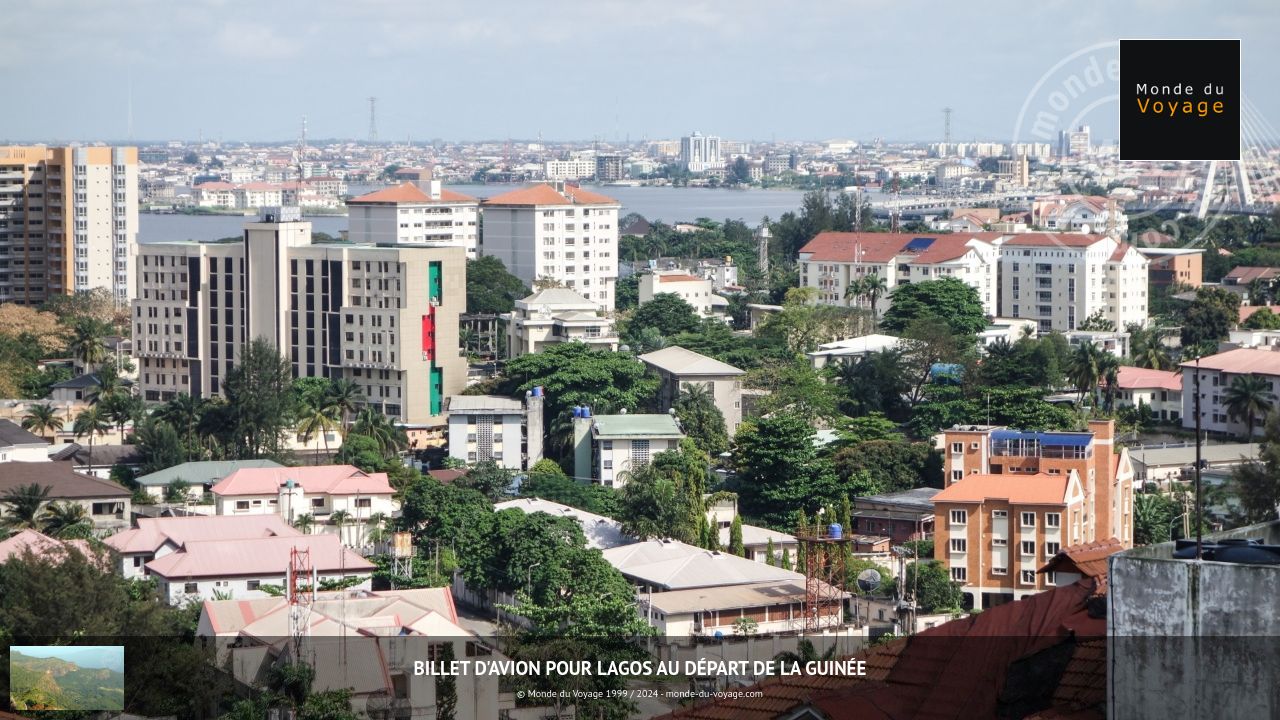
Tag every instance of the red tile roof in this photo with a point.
(882, 247)
(1037, 489)
(1244, 274)
(1121, 250)
(323, 479)
(1087, 559)
(1136, 378)
(1241, 361)
(409, 193)
(544, 194)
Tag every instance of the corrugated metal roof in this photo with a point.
(639, 425)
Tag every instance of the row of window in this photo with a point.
(1028, 547)
(1027, 577)
(1052, 520)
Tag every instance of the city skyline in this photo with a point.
(607, 70)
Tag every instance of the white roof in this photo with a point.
(601, 532)
(683, 602)
(676, 566)
(559, 297)
(483, 403)
(857, 346)
(680, 361)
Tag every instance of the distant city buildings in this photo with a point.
(700, 153)
(1075, 143)
(558, 233)
(68, 221)
(385, 318)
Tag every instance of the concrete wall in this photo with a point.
(1193, 639)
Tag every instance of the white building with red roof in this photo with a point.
(409, 215)
(556, 231)
(1061, 279)
(1217, 372)
(1160, 391)
(696, 291)
(320, 491)
(1078, 213)
(833, 261)
(157, 537)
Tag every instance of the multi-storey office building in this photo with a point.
(556, 232)
(68, 221)
(1062, 279)
(383, 317)
(408, 215)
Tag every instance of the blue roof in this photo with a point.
(1045, 438)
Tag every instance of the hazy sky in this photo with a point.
(569, 69)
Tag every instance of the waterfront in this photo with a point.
(669, 204)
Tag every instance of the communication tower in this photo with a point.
(823, 549)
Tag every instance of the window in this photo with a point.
(959, 574)
(606, 444)
(137, 561)
(957, 447)
(254, 584)
(242, 505)
(1028, 577)
(191, 588)
(999, 542)
(999, 571)
(999, 514)
(959, 545)
(1051, 549)
(959, 517)
(364, 502)
(1028, 519)
(1029, 547)
(957, 475)
(317, 502)
(1053, 520)
(608, 464)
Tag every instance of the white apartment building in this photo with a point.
(607, 447)
(578, 168)
(556, 315)
(832, 261)
(501, 429)
(696, 291)
(1079, 214)
(407, 215)
(556, 232)
(1061, 279)
(1216, 374)
(1160, 391)
(699, 153)
(68, 221)
(383, 317)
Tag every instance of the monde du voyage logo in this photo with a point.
(1180, 99)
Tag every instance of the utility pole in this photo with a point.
(1199, 499)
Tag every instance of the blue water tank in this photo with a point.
(835, 531)
(586, 411)
(537, 391)
(577, 411)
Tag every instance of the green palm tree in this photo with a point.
(340, 518)
(182, 412)
(855, 289)
(315, 420)
(42, 419)
(1111, 377)
(873, 286)
(91, 421)
(23, 507)
(87, 345)
(121, 408)
(1088, 364)
(1147, 347)
(66, 520)
(390, 438)
(1248, 396)
(804, 653)
(346, 398)
(304, 523)
(376, 525)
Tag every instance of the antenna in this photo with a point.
(373, 119)
(895, 218)
(130, 107)
(300, 597)
(946, 125)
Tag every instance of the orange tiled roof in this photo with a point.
(833, 246)
(1037, 489)
(678, 278)
(1088, 559)
(544, 194)
(409, 193)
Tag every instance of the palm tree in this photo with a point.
(873, 286)
(1248, 396)
(377, 528)
(804, 653)
(24, 504)
(108, 383)
(1148, 348)
(66, 520)
(370, 421)
(1087, 368)
(855, 289)
(91, 421)
(304, 523)
(345, 397)
(317, 420)
(86, 344)
(340, 518)
(42, 419)
(121, 408)
(1111, 376)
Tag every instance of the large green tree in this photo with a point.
(548, 481)
(666, 313)
(1257, 484)
(934, 591)
(780, 471)
(1209, 319)
(700, 419)
(664, 498)
(491, 289)
(952, 300)
(890, 465)
(259, 394)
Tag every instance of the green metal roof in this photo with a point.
(640, 426)
(200, 473)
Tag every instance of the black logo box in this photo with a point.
(1187, 69)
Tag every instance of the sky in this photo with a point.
(86, 656)
(232, 70)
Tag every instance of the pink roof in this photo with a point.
(409, 193)
(1242, 361)
(1037, 489)
(318, 479)
(152, 533)
(882, 247)
(216, 185)
(40, 545)
(1136, 378)
(544, 194)
(257, 556)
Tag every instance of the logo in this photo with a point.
(1180, 99)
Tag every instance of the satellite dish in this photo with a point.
(869, 579)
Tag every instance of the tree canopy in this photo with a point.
(491, 289)
(952, 300)
(780, 470)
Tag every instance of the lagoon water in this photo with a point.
(669, 204)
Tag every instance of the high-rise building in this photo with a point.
(700, 152)
(68, 221)
(385, 318)
(556, 232)
(608, 168)
(413, 215)
(1075, 143)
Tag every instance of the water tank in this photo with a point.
(537, 391)
(586, 411)
(835, 531)
(577, 411)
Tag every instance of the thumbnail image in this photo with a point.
(66, 677)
